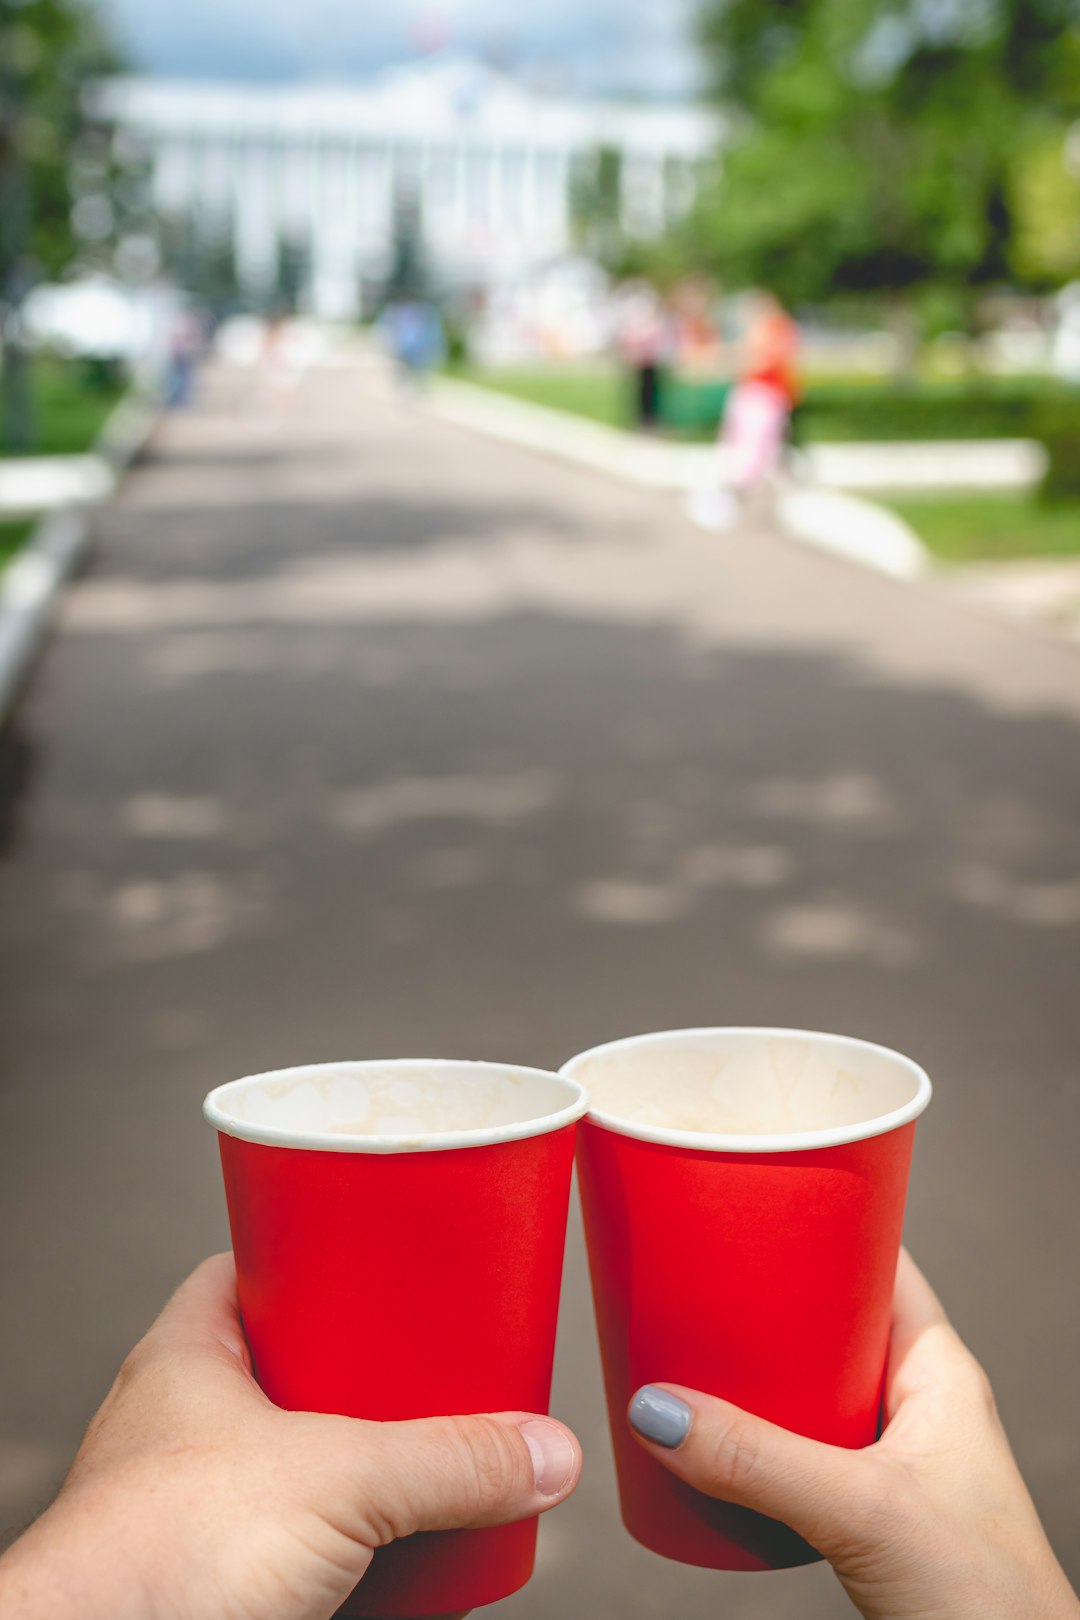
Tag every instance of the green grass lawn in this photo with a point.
(12, 536)
(992, 528)
(596, 391)
(69, 412)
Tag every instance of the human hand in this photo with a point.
(933, 1522)
(193, 1497)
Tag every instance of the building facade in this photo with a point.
(322, 172)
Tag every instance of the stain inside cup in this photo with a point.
(415, 1101)
(743, 1086)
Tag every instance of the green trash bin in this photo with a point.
(692, 405)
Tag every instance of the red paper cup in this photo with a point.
(398, 1230)
(743, 1193)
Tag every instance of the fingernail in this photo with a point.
(552, 1455)
(660, 1417)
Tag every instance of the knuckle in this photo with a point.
(133, 1368)
(138, 1371)
(495, 1466)
(981, 1388)
(733, 1454)
(973, 1383)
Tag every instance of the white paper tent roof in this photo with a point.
(94, 317)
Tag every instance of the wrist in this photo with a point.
(77, 1563)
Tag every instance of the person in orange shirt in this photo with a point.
(758, 409)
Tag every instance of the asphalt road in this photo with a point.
(365, 736)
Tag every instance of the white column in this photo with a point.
(336, 273)
(530, 218)
(461, 191)
(256, 230)
(296, 185)
(216, 184)
(495, 192)
(173, 175)
(561, 220)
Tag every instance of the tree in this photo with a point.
(596, 206)
(409, 275)
(876, 144)
(49, 50)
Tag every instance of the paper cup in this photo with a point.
(398, 1230)
(743, 1192)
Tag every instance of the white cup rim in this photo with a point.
(217, 1114)
(788, 1142)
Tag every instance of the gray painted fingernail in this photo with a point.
(660, 1417)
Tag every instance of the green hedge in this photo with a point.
(973, 411)
(1057, 425)
(835, 412)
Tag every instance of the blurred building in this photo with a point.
(317, 175)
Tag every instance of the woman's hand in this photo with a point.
(192, 1497)
(932, 1523)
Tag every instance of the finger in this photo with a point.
(204, 1313)
(924, 1349)
(915, 1305)
(458, 1472)
(732, 1455)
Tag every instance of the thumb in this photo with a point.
(458, 1473)
(821, 1491)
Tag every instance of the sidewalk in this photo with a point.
(1044, 592)
(367, 736)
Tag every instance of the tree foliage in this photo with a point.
(49, 50)
(882, 145)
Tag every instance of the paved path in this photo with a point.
(366, 736)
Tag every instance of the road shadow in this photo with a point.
(512, 838)
(254, 540)
(17, 763)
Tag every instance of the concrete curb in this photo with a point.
(28, 589)
(30, 584)
(931, 467)
(654, 463)
(841, 524)
(128, 430)
(854, 528)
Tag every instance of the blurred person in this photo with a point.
(185, 343)
(758, 411)
(756, 422)
(192, 1497)
(696, 337)
(413, 332)
(276, 362)
(642, 336)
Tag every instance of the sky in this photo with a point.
(640, 47)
